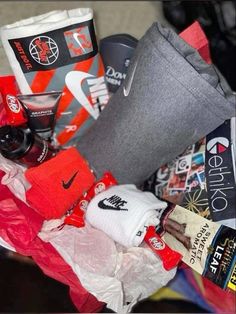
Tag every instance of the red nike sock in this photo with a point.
(58, 183)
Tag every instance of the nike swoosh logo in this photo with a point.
(129, 81)
(103, 205)
(77, 39)
(73, 82)
(67, 185)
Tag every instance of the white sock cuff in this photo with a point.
(123, 212)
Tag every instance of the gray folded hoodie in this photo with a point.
(170, 99)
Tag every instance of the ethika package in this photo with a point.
(58, 51)
(202, 179)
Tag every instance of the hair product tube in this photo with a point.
(41, 111)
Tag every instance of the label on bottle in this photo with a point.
(39, 152)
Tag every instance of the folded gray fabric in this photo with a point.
(170, 99)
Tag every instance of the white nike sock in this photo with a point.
(123, 212)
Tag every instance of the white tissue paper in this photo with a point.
(14, 178)
(113, 274)
(6, 245)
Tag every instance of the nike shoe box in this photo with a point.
(202, 179)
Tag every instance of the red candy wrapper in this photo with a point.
(3, 114)
(77, 217)
(11, 111)
(169, 257)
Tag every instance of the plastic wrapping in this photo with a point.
(14, 178)
(110, 272)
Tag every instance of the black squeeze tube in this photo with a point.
(41, 111)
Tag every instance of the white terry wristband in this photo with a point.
(123, 212)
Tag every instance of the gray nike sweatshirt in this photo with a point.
(170, 99)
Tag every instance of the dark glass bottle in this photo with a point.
(21, 145)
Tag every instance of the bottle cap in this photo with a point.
(14, 142)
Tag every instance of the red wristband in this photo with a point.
(57, 184)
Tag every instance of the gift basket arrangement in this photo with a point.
(84, 126)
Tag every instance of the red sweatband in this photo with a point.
(58, 183)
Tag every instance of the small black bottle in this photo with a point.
(116, 52)
(21, 145)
